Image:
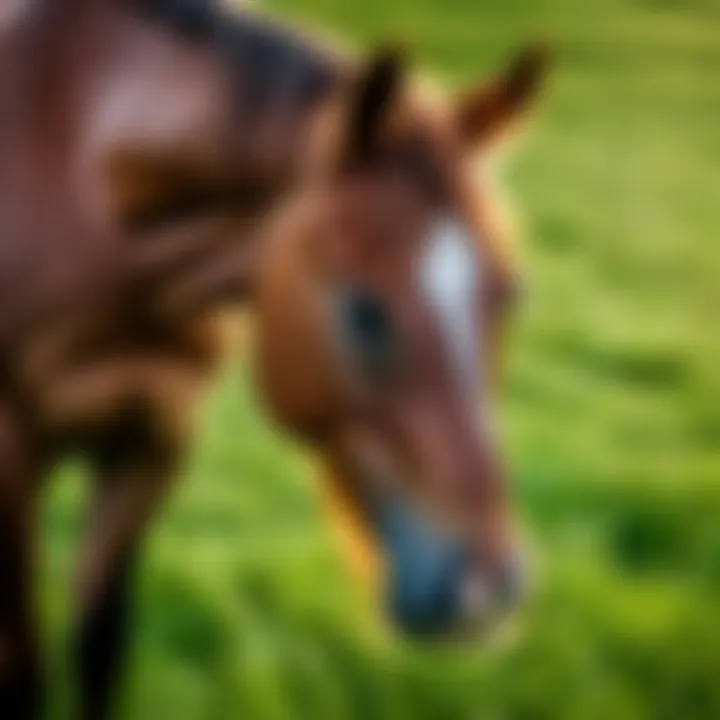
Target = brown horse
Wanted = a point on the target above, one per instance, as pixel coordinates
(164, 161)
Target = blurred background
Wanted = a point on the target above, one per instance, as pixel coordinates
(246, 608)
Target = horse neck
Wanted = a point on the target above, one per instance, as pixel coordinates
(278, 79)
(53, 32)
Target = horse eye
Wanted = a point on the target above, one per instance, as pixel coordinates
(368, 326)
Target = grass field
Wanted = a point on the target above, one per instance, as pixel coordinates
(612, 412)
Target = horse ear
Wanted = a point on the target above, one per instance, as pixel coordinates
(371, 104)
(485, 112)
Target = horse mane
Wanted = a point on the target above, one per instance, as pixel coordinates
(279, 56)
(193, 19)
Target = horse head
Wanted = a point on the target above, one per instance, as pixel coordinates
(382, 294)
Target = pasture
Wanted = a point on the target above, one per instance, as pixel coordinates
(611, 411)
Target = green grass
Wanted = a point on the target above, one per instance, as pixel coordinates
(612, 413)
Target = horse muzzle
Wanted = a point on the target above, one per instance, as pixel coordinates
(434, 587)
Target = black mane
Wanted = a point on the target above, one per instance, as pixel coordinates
(193, 19)
(278, 57)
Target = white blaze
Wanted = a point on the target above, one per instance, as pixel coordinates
(449, 275)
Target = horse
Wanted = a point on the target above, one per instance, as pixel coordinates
(165, 162)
